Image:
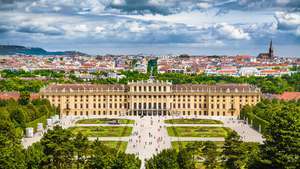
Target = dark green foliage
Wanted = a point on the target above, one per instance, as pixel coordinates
(34, 156)
(58, 148)
(11, 155)
(210, 154)
(81, 145)
(261, 113)
(185, 159)
(35, 73)
(24, 98)
(165, 160)
(16, 84)
(22, 114)
(126, 161)
(267, 84)
(152, 66)
(282, 146)
(238, 154)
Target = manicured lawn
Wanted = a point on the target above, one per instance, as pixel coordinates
(182, 144)
(193, 121)
(198, 131)
(118, 145)
(104, 121)
(107, 131)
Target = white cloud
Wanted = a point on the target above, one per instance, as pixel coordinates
(81, 28)
(288, 22)
(229, 31)
(204, 5)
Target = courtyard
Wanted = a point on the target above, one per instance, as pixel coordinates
(149, 135)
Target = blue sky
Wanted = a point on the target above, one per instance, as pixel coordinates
(153, 26)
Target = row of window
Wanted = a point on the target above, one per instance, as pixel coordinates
(100, 97)
(81, 113)
(99, 105)
(149, 88)
(200, 113)
(149, 106)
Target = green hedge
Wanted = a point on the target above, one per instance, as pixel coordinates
(254, 121)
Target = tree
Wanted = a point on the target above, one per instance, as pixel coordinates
(102, 157)
(232, 151)
(19, 117)
(81, 145)
(281, 148)
(58, 148)
(210, 154)
(34, 156)
(165, 160)
(185, 159)
(126, 161)
(11, 151)
(24, 98)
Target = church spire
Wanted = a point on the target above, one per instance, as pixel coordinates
(271, 51)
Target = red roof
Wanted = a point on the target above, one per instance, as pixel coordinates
(289, 96)
(16, 95)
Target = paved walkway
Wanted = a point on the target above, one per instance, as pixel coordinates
(149, 138)
(247, 133)
(26, 142)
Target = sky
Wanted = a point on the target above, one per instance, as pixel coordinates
(158, 27)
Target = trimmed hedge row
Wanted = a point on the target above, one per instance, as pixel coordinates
(254, 121)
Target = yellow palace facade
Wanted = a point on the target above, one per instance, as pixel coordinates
(151, 98)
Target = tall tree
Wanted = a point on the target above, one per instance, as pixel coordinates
(102, 157)
(34, 156)
(11, 151)
(58, 148)
(81, 145)
(281, 148)
(24, 98)
(210, 154)
(185, 159)
(165, 160)
(126, 161)
(232, 151)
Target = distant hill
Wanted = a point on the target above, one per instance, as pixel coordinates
(13, 49)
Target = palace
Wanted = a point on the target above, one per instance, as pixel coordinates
(151, 98)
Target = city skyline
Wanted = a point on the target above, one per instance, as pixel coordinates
(153, 26)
